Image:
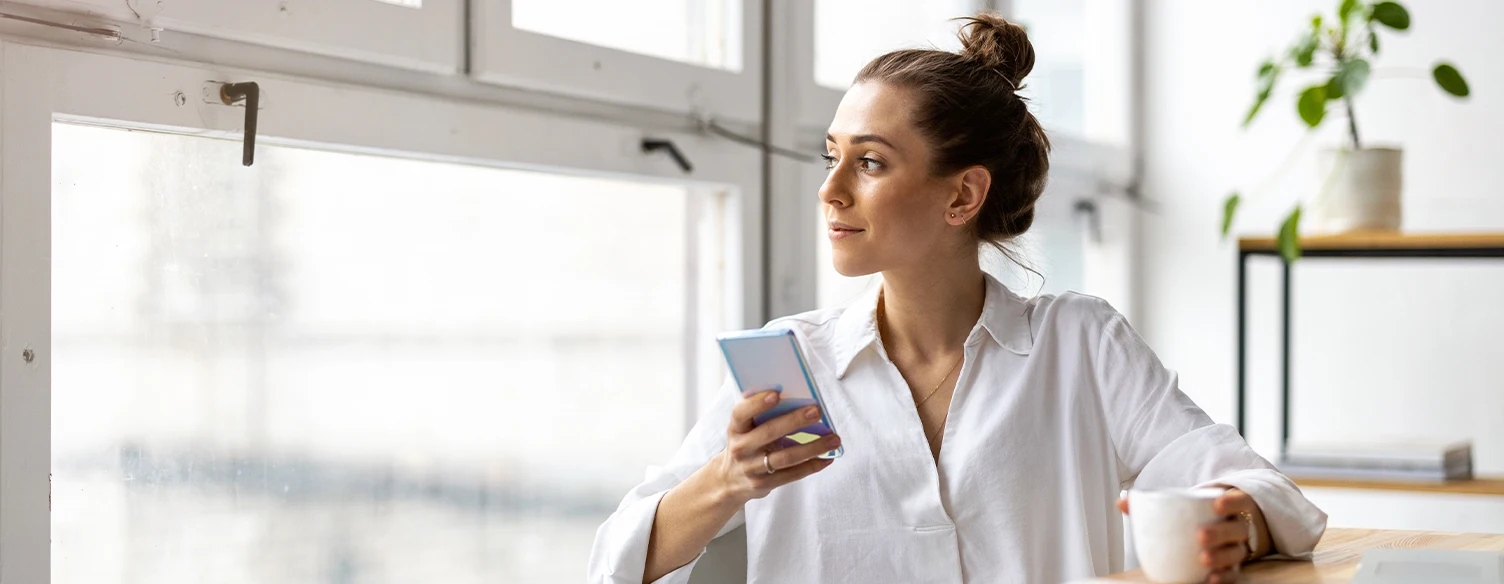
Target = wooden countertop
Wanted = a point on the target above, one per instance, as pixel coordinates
(1383, 240)
(1477, 486)
(1337, 555)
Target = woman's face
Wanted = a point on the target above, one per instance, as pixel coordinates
(885, 209)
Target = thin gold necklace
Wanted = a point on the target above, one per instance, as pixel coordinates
(931, 438)
(942, 381)
(932, 392)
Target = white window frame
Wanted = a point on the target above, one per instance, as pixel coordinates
(506, 55)
(428, 38)
(1109, 94)
(41, 84)
(817, 102)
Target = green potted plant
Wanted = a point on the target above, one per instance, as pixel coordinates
(1361, 190)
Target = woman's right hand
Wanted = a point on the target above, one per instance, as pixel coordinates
(742, 470)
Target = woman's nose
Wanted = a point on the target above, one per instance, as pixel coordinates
(833, 192)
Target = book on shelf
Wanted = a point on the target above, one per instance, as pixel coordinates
(1360, 474)
(1401, 461)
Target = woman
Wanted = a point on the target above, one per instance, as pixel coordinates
(987, 436)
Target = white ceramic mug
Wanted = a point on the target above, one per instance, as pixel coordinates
(1165, 526)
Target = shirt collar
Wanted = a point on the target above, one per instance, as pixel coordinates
(1005, 317)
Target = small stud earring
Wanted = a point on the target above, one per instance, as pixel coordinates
(952, 215)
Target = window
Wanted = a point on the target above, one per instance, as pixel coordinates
(421, 350)
(338, 367)
(684, 56)
(1080, 83)
(834, 39)
(691, 31)
(1056, 86)
(423, 35)
(1050, 255)
(849, 33)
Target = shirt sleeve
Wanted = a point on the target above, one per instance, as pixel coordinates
(1164, 440)
(620, 552)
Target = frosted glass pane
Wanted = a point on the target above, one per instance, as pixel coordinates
(849, 33)
(343, 368)
(1056, 87)
(1082, 83)
(1052, 254)
(700, 32)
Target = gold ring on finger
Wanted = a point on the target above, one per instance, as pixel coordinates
(768, 464)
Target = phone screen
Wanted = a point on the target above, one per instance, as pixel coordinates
(770, 359)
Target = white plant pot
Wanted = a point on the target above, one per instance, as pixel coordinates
(1363, 192)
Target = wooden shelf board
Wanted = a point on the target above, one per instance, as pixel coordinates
(1477, 486)
(1383, 240)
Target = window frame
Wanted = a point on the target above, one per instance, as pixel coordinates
(505, 55)
(429, 38)
(43, 84)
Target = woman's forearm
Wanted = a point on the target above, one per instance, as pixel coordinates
(688, 517)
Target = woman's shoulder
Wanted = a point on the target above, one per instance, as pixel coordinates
(816, 325)
(1052, 315)
(831, 335)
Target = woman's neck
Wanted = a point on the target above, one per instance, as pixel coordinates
(929, 312)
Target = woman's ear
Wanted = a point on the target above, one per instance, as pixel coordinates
(967, 201)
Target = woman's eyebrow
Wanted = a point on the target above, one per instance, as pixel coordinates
(864, 138)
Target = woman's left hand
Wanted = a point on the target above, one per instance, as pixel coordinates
(1224, 543)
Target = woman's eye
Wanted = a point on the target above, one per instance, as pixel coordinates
(869, 164)
(830, 161)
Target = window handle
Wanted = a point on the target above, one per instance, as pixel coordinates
(650, 145)
(1090, 219)
(231, 93)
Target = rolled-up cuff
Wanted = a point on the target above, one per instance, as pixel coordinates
(623, 543)
(1295, 524)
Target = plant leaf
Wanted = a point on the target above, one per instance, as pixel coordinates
(1312, 105)
(1450, 79)
(1289, 236)
(1373, 42)
(1304, 51)
(1268, 70)
(1392, 15)
(1350, 79)
(1253, 111)
(1346, 10)
(1268, 73)
(1229, 208)
(1333, 88)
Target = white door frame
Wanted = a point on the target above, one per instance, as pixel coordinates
(40, 85)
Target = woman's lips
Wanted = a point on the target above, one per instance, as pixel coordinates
(838, 231)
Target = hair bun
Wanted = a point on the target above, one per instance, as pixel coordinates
(992, 42)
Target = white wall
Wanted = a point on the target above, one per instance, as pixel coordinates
(1382, 347)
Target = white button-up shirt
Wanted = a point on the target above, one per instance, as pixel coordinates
(1059, 406)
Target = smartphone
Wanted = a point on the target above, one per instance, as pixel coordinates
(770, 359)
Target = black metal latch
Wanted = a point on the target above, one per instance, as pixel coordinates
(231, 93)
(650, 145)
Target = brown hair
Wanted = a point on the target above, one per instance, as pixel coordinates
(971, 114)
